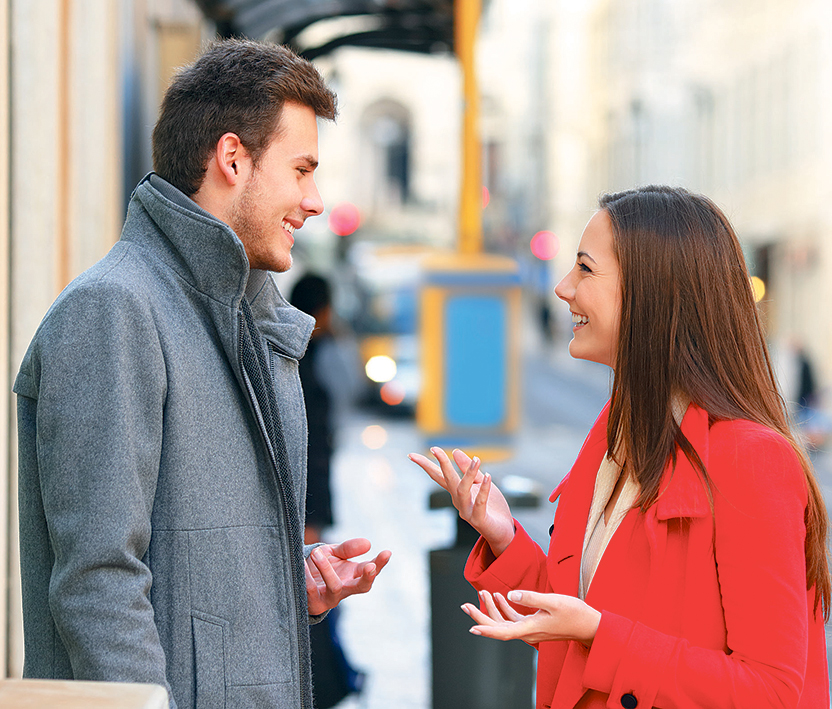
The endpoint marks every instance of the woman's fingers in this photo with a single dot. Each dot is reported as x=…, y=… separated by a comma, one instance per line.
x=480, y=508
x=448, y=471
x=431, y=468
x=467, y=482
x=530, y=599
x=507, y=611
x=476, y=614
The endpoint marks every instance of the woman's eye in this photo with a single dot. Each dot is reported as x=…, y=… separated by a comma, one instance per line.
x=584, y=268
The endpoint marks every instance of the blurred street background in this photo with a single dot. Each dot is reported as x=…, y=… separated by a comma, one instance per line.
x=473, y=140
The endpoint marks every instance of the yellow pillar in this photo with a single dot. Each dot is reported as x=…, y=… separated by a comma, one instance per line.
x=466, y=21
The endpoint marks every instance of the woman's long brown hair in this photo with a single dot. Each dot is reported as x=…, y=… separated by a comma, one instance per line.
x=690, y=327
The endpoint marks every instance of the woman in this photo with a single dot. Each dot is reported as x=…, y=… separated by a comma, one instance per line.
x=687, y=565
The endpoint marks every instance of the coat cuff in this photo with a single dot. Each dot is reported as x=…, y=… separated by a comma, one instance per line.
x=502, y=573
x=627, y=658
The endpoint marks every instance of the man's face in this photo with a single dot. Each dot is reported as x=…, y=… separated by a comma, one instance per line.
x=281, y=193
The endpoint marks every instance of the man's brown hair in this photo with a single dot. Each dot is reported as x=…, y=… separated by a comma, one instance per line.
x=235, y=86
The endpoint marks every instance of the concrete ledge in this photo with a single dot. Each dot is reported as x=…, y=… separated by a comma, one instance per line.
x=67, y=694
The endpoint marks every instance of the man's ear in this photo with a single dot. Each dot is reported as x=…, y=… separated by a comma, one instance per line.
x=232, y=159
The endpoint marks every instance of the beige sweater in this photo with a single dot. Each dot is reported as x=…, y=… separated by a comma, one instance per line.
x=598, y=534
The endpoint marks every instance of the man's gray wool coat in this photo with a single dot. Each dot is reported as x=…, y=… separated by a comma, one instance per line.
x=155, y=542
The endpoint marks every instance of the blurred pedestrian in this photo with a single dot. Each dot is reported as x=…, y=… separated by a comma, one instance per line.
x=161, y=427
x=691, y=525
x=333, y=676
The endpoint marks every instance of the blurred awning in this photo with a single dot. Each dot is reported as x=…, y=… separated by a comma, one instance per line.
x=316, y=27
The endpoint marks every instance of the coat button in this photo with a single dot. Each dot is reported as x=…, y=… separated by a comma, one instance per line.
x=628, y=701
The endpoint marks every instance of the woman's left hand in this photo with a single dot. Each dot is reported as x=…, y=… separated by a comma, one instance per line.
x=558, y=617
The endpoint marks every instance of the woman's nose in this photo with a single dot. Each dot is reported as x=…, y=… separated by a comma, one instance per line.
x=564, y=289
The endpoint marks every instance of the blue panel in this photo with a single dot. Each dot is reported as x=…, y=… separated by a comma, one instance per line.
x=475, y=361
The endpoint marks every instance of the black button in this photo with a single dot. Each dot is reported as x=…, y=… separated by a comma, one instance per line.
x=551, y=529
x=628, y=701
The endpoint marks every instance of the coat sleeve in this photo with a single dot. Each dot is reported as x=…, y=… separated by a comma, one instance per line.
x=521, y=565
x=759, y=502
x=99, y=381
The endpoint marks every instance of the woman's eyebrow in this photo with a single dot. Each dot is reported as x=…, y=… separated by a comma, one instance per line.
x=585, y=254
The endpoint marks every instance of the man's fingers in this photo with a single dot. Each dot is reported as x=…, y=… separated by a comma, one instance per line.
x=351, y=548
x=381, y=560
x=330, y=577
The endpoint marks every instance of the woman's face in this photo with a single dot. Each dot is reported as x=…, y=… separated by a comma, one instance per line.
x=592, y=290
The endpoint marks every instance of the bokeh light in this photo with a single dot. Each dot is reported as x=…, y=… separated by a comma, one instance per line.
x=380, y=368
x=344, y=219
x=486, y=196
x=545, y=245
x=759, y=286
x=374, y=437
x=392, y=393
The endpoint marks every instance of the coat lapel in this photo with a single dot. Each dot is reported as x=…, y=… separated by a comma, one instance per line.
x=575, y=492
x=682, y=494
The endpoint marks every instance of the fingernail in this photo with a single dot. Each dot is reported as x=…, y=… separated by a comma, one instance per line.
x=515, y=596
x=474, y=631
x=476, y=461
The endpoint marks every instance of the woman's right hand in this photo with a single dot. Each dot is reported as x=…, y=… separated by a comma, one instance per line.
x=478, y=501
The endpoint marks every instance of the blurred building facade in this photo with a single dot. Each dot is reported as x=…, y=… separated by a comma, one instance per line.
x=725, y=97
x=80, y=83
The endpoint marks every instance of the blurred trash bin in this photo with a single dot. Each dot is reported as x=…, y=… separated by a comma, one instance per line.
x=469, y=671
x=70, y=694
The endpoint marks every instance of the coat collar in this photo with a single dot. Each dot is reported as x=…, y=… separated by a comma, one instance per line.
x=207, y=254
x=682, y=492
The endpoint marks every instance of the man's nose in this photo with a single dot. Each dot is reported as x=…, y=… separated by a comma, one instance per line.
x=312, y=202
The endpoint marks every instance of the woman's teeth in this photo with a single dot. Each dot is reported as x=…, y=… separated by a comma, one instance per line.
x=579, y=319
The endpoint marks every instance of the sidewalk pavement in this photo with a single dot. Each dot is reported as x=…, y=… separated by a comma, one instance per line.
x=379, y=494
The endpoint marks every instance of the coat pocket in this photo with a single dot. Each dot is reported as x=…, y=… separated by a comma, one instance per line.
x=209, y=660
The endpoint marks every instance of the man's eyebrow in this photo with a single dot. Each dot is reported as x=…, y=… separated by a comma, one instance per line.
x=584, y=253
x=309, y=160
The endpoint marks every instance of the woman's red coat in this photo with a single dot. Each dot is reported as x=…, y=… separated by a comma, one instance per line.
x=688, y=620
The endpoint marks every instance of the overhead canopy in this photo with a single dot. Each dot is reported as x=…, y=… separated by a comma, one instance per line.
x=425, y=26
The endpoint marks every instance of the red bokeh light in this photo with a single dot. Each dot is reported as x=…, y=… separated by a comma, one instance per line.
x=545, y=245
x=392, y=393
x=344, y=219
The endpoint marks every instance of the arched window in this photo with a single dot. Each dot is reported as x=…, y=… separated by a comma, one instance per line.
x=386, y=129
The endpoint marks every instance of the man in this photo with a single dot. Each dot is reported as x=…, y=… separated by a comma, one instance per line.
x=161, y=422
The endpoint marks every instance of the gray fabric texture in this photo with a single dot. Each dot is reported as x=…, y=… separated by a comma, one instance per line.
x=155, y=540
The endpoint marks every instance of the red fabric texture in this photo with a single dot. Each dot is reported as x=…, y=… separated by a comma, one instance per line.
x=688, y=620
